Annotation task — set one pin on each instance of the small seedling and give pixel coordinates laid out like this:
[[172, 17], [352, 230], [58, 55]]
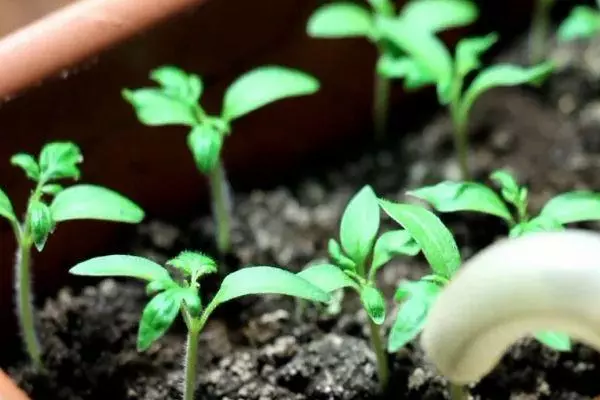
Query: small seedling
[[583, 22], [547, 280], [566, 208], [176, 102], [184, 296], [431, 63], [345, 19], [356, 260], [49, 204], [540, 31]]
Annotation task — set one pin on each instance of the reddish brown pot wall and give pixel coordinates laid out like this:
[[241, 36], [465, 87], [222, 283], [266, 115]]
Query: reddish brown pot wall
[[219, 40]]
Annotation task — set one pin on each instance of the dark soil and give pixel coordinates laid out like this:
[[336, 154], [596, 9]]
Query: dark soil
[[264, 348]]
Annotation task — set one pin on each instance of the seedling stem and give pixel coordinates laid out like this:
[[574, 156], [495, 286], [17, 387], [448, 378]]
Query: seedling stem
[[540, 31], [459, 121], [380, 353], [220, 204], [381, 100], [458, 392]]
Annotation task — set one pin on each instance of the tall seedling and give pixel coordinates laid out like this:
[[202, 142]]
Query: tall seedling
[[432, 63], [176, 102], [346, 19], [49, 204]]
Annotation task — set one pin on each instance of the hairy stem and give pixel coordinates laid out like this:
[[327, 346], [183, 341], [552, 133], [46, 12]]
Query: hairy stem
[[461, 146], [458, 392], [191, 363], [381, 99], [383, 371], [221, 207], [25, 302], [540, 29]]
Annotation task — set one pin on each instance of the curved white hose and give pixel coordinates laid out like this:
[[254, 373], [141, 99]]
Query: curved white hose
[[542, 281]]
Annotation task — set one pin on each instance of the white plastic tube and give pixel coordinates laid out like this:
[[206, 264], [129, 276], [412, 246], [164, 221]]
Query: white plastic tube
[[542, 281]]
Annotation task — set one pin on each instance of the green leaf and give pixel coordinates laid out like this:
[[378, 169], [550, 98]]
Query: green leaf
[[94, 202], [52, 189], [328, 277], [59, 160], [555, 340], [336, 254], [192, 300], [391, 244], [159, 285], [574, 206], [340, 20], [6, 208], [194, 264], [417, 298], [537, 224], [265, 85], [266, 280], [425, 49], [205, 143], [374, 303], [28, 164], [157, 317], [582, 22], [503, 75], [434, 239], [439, 15], [359, 225], [155, 107], [178, 84], [451, 196], [509, 186], [469, 51], [40, 221], [124, 265], [415, 76]]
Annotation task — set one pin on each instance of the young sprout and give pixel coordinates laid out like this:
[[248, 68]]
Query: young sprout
[[176, 102], [345, 19], [50, 203], [357, 259], [540, 31], [548, 280], [172, 296], [431, 63], [582, 22], [570, 207]]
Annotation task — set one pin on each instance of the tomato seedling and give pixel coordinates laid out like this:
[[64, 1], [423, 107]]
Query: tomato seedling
[[176, 102], [570, 207], [345, 19], [49, 204], [432, 63], [183, 296]]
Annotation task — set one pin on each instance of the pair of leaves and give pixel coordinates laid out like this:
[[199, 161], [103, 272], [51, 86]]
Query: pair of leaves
[[345, 19], [57, 160], [175, 101], [582, 22], [162, 310], [433, 63]]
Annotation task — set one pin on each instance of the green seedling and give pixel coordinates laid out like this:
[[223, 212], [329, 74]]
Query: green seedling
[[540, 31], [183, 296], [430, 62], [547, 280], [345, 19], [566, 208], [583, 22], [50, 203], [176, 102], [439, 248], [356, 260]]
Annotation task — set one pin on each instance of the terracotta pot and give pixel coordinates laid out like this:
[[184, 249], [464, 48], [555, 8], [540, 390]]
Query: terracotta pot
[[8, 390]]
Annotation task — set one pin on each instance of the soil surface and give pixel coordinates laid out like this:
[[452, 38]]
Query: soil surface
[[275, 348]]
